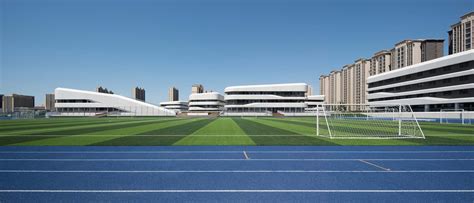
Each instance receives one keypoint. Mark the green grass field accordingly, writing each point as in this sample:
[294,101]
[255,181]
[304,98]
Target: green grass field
[205,131]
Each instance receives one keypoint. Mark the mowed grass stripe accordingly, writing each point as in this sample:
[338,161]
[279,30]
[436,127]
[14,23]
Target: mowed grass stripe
[95,137]
[52,131]
[7,130]
[162,136]
[261,134]
[13,139]
[222,131]
[308,131]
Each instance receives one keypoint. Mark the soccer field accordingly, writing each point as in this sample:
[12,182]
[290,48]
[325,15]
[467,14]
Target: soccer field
[205,131]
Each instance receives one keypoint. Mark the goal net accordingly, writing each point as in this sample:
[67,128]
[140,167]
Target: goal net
[341,121]
[453,116]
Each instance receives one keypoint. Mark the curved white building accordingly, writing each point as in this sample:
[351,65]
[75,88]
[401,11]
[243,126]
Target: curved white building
[72,102]
[176,106]
[205,103]
[266,99]
[442,83]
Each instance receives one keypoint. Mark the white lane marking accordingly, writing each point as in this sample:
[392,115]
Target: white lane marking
[375,165]
[238,191]
[236,171]
[246,156]
[79,159]
[206,152]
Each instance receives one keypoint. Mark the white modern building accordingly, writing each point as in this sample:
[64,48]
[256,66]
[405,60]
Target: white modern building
[313,101]
[72,102]
[176,106]
[205,103]
[442,83]
[266,100]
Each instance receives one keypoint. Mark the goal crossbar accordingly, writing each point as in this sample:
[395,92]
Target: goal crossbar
[363,121]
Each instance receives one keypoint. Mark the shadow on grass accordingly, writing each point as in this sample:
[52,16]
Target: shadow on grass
[57,125]
[261,134]
[8,140]
[164,136]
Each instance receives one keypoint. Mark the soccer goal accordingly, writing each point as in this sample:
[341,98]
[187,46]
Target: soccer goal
[342,121]
[452,116]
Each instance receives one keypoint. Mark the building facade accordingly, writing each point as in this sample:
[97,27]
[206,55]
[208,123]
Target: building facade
[410,52]
[442,83]
[205,103]
[197,89]
[16,102]
[173,94]
[49,102]
[138,93]
[176,106]
[461,35]
[72,102]
[381,62]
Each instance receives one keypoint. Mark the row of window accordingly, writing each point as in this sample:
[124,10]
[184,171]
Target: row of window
[425,74]
[74,101]
[466,79]
[283,94]
[446,94]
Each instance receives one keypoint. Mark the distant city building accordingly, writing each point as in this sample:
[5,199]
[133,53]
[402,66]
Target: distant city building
[310,91]
[103,90]
[173,94]
[15,101]
[197,89]
[49,102]
[177,106]
[138,93]
[324,86]
[410,52]
[461,35]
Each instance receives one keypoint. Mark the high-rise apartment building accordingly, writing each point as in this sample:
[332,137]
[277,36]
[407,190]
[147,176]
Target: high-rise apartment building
[361,73]
[173,94]
[410,52]
[380,62]
[197,89]
[348,85]
[138,93]
[11,103]
[461,36]
[324,85]
[49,102]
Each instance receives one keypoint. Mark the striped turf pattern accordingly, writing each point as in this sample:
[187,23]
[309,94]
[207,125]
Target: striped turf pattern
[202,131]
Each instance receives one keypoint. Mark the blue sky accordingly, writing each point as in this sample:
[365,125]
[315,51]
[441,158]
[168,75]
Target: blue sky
[157,44]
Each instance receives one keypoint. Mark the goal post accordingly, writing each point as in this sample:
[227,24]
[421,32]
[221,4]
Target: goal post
[452,116]
[364,121]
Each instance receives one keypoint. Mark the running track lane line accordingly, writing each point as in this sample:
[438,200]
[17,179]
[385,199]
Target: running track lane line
[236,191]
[237,171]
[199,159]
[250,151]
[375,165]
[246,156]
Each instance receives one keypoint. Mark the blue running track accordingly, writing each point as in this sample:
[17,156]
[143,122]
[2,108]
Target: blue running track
[236,174]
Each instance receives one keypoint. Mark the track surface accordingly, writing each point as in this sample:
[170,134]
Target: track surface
[269,174]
